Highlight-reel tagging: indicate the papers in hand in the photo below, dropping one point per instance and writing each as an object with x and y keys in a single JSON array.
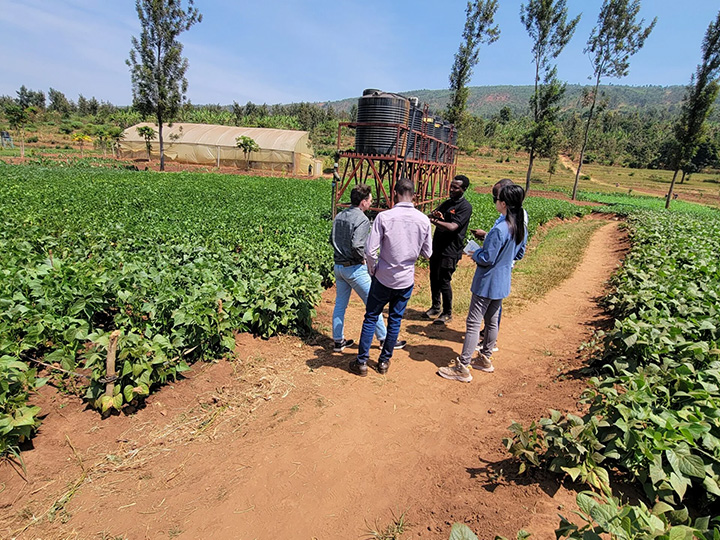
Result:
[{"x": 471, "y": 246}]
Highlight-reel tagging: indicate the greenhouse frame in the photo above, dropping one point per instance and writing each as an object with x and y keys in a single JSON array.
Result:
[{"x": 281, "y": 150}]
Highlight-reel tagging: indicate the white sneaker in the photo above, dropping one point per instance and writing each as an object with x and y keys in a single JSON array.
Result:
[
  {"x": 482, "y": 363},
  {"x": 456, "y": 371}
]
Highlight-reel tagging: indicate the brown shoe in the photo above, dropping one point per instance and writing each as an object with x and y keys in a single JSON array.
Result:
[{"x": 358, "y": 368}]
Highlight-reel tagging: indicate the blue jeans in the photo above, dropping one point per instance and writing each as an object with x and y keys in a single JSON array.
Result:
[
  {"x": 348, "y": 279},
  {"x": 378, "y": 298}
]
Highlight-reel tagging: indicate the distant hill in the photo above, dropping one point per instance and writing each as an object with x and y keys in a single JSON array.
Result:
[{"x": 486, "y": 101}]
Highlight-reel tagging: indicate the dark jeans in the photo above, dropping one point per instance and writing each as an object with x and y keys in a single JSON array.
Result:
[
  {"x": 378, "y": 297},
  {"x": 441, "y": 271}
]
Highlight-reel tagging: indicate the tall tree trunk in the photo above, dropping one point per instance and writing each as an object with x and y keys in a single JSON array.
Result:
[
  {"x": 585, "y": 139},
  {"x": 670, "y": 191},
  {"x": 535, "y": 116},
  {"x": 682, "y": 178},
  {"x": 160, "y": 138},
  {"x": 529, "y": 171}
]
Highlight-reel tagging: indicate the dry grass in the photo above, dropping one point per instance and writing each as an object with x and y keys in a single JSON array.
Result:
[
  {"x": 216, "y": 414},
  {"x": 486, "y": 166},
  {"x": 554, "y": 253}
]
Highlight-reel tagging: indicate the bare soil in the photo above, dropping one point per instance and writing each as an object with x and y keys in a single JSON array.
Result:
[{"x": 285, "y": 443}]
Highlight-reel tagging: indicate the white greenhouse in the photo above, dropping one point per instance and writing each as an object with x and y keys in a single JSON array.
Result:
[{"x": 280, "y": 149}]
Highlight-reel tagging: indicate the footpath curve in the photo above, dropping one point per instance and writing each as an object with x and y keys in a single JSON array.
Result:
[{"x": 325, "y": 454}]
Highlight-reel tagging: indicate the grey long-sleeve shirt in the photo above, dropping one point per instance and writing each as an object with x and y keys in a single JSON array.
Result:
[{"x": 349, "y": 233}]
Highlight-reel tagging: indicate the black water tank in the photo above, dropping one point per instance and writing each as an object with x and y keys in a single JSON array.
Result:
[
  {"x": 380, "y": 107},
  {"x": 415, "y": 123}
]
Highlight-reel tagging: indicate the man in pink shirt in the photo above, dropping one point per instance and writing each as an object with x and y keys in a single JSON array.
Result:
[{"x": 398, "y": 237}]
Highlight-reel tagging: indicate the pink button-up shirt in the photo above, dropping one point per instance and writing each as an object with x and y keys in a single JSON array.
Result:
[{"x": 398, "y": 237}]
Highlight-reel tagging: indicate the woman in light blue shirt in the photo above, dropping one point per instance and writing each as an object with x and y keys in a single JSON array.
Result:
[{"x": 504, "y": 244}]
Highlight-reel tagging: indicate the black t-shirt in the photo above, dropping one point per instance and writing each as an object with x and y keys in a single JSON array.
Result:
[{"x": 448, "y": 244}]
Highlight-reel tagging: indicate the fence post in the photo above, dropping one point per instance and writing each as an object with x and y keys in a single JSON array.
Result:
[{"x": 110, "y": 363}]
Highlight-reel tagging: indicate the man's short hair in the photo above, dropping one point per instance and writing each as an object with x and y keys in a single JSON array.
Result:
[
  {"x": 501, "y": 184},
  {"x": 463, "y": 179},
  {"x": 405, "y": 186},
  {"x": 359, "y": 193}
]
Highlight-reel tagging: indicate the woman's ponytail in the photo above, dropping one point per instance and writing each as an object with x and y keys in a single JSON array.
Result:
[{"x": 513, "y": 195}]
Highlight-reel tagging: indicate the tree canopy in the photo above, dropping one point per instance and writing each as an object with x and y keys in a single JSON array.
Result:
[
  {"x": 479, "y": 28},
  {"x": 157, "y": 67}
]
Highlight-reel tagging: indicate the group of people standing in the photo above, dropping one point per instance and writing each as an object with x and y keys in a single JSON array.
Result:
[{"x": 378, "y": 262}]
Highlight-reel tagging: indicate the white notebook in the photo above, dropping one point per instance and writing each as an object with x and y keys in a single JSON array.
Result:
[{"x": 471, "y": 246}]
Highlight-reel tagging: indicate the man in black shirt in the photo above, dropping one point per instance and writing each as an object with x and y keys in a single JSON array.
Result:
[{"x": 451, "y": 221}]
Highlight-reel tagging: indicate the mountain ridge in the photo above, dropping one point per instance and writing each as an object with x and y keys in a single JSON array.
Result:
[{"x": 486, "y": 101}]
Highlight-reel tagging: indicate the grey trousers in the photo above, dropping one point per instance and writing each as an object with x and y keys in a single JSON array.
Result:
[{"x": 480, "y": 308}]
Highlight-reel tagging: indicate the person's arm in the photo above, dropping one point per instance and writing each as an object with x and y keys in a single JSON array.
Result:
[
  {"x": 488, "y": 253},
  {"x": 372, "y": 245},
  {"x": 521, "y": 252},
  {"x": 426, "y": 248},
  {"x": 458, "y": 219},
  {"x": 448, "y": 226},
  {"x": 360, "y": 235}
]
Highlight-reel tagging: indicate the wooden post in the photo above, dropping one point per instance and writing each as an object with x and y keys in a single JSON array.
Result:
[{"x": 110, "y": 365}]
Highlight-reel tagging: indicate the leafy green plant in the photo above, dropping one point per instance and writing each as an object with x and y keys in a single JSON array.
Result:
[
  {"x": 608, "y": 517},
  {"x": 17, "y": 420}
]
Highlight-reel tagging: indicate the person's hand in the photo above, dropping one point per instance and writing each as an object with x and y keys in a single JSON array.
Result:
[
  {"x": 479, "y": 234},
  {"x": 436, "y": 214}
]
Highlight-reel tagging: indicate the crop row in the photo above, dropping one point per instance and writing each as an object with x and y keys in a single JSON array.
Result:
[{"x": 653, "y": 412}]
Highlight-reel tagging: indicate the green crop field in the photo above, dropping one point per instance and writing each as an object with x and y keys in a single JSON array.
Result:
[{"x": 653, "y": 409}]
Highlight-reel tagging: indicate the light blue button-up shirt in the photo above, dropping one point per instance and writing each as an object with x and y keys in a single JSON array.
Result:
[{"x": 495, "y": 261}]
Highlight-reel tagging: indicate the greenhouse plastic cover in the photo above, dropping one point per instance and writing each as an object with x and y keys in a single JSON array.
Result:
[{"x": 280, "y": 149}]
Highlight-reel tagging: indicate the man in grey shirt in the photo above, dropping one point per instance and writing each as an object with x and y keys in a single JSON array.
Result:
[{"x": 349, "y": 233}]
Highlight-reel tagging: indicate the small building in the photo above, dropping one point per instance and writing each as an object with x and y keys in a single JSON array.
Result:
[{"x": 205, "y": 144}]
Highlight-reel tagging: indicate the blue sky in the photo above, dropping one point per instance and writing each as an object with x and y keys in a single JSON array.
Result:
[{"x": 316, "y": 50}]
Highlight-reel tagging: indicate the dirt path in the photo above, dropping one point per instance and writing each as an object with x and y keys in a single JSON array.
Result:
[
  {"x": 287, "y": 444},
  {"x": 571, "y": 165}
]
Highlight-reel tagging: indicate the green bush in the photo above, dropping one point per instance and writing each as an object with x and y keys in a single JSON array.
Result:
[{"x": 18, "y": 421}]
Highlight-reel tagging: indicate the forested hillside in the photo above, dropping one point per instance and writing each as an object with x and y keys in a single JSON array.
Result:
[{"x": 487, "y": 101}]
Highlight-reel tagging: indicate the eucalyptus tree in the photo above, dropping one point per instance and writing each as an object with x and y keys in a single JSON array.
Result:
[
  {"x": 700, "y": 95},
  {"x": 617, "y": 36},
  {"x": 547, "y": 25},
  {"x": 479, "y": 28},
  {"x": 157, "y": 67}
]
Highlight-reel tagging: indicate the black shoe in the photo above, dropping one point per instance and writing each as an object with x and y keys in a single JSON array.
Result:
[
  {"x": 443, "y": 318},
  {"x": 382, "y": 367},
  {"x": 399, "y": 344},
  {"x": 359, "y": 369},
  {"x": 432, "y": 312},
  {"x": 340, "y": 345}
]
